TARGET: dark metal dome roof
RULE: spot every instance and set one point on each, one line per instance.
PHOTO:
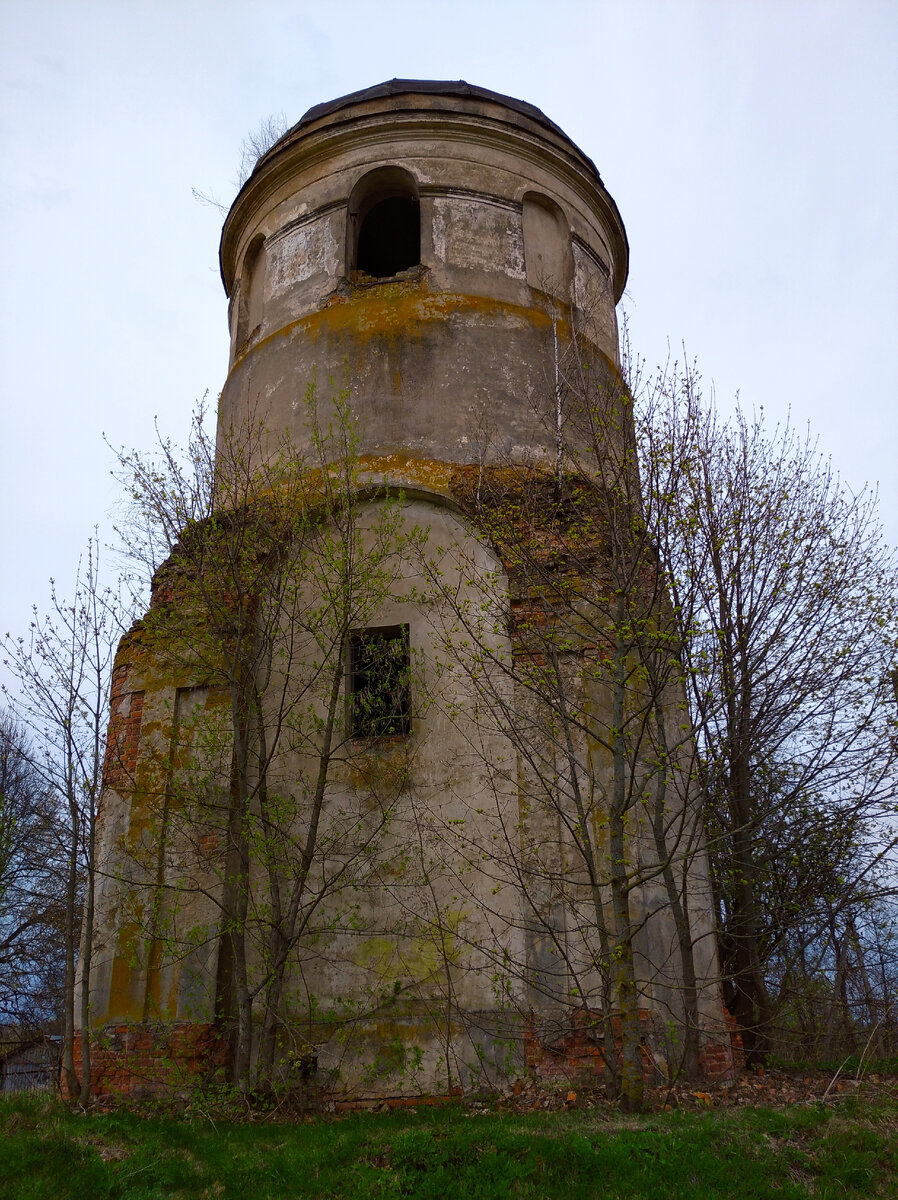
(431, 87)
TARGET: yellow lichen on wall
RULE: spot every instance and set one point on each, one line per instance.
(126, 996)
(431, 473)
(417, 959)
(402, 311)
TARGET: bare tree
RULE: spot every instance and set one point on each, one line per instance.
(589, 692)
(258, 142)
(784, 591)
(276, 559)
(32, 889)
(63, 675)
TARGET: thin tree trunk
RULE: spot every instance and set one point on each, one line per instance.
(285, 931)
(72, 1083)
(632, 1082)
(87, 945)
(752, 1006)
(609, 1048)
(679, 905)
(237, 900)
(869, 1000)
(832, 1016)
(271, 1017)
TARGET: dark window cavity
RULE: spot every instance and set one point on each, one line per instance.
(380, 701)
(390, 237)
(384, 226)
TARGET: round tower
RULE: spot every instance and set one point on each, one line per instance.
(406, 824)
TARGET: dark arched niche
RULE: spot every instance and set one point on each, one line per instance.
(384, 225)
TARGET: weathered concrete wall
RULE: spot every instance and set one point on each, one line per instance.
(432, 959)
(438, 953)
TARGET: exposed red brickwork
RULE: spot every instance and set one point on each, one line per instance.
(735, 1041)
(127, 1060)
(134, 1059)
(578, 1051)
(715, 1061)
(126, 709)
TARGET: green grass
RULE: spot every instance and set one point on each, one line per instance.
(849, 1151)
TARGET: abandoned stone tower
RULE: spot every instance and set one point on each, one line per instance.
(417, 838)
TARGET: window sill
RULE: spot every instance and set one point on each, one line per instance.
(415, 274)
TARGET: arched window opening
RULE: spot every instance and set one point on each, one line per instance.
(384, 224)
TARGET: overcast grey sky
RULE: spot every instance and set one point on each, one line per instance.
(751, 146)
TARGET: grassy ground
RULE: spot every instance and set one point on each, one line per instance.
(849, 1149)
